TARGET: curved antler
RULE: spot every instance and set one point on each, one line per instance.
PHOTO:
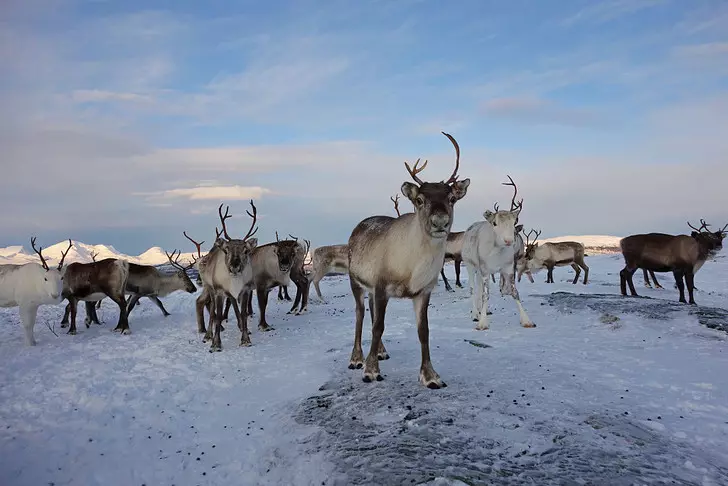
(253, 215)
(39, 252)
(198, 245)
(395, 200)
(495, 206)
(528, 235)
(454, 176)
(514, 206)
(416, 170)
(703, 226)
(222, 220)
(63, 254)
(295, 238)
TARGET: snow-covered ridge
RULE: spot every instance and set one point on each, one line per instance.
(593, 244)
(82, 252)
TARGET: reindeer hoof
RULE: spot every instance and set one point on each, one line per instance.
(434, 386)
(266, 328)
(356, 365)
(382, 356)
(72, 333)
(246, 344)
(528, 324)
(369, 378)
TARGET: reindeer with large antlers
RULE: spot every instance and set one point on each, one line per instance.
(682, 255)
(491, 246)
(226, 272)
(31, 285)
(401, 258)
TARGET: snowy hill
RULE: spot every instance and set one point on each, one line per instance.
(593, 244)
(82, 252)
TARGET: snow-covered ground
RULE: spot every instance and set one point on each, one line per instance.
(606, 390)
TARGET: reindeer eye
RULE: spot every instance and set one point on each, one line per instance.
(419, 201)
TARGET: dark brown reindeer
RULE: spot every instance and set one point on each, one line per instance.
(226, 270)
(300, 277)
(401, 258)
(91, 316)
(90, 282)
(682, 255)
(453, 251)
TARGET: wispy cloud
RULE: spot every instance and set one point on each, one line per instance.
(97, 95)
(540, 111)
(208, 193)
(608, 10)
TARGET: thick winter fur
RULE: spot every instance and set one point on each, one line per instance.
(453, 251)
(490, 246)
(28, 287)
(327, 259)
(550, 255)
(93, 281)
(402, 257)
(225, 271)
(659, 252)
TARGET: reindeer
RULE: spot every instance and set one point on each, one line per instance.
(327, 259)
(300, 277)
(453, 251)
(91, 307)
(401, 258)
(226, 270)
(90, 282)
(31, 285)
(489, 247)
(551, 255)
(148, 281)
(683, 255)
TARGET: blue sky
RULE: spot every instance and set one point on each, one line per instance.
(126, 122)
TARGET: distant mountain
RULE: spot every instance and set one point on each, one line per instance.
(82, 252)
(593, 244)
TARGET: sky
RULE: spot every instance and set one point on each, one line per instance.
(125, 123)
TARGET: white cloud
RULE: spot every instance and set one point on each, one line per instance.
(608, 10)
(539, 111)
(96, 95)
(206, 193)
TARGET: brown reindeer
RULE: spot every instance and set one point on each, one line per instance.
(328, 259)
(453, 251)
(148, 281)
(225, 272)
(682, 255)
(300, 277)
(401, 258)
(90, 282)
(551, 255)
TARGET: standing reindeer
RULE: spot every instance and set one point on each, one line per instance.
(551, 255)
(148, 281)
(683, 255)
(401, 258)
(453, 251)
(327, 259)
(490, 247)
(226, 270)
(31, 285)
(300, 278)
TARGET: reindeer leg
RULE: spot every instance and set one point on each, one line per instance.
(381, 350)
(484, 285)
(262, 304)
(356, 361)
(73, 302)
(285, 293)
(316, 279)
(226, 313)
(371, 365)
(690, 282)
(680, 285)
(156, 300)
(27, 318)
(280, 292)
(216, 320)
(525, 320)
(578, 272)
(200, 304)
(98, 304)
(66, 312)
(625, 278)
(530, 277)
(90, 314)
(132, 303)
(444, 279)
(457, 274)
(428, 375)
(250, 302)
(654, 278)
(123, 325)
(583, 265)
(242, 316)
(475, 289)
(647, 278)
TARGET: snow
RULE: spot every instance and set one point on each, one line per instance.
(606, 390)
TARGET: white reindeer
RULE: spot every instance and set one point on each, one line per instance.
(29, 286)
(490, 247)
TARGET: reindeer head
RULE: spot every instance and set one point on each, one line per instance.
(237, 251)
(52, 283)
(181, 272)
(711, 240)
(504, 222)
(434, 201)
(286, 251)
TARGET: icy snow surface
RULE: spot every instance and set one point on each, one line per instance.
(606, 390)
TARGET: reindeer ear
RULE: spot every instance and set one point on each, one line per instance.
(410, 191)
(519, 228)
(460, 188)
(252, 242)
(694, 234)
(488, 215)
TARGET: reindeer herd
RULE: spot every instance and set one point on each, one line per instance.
(385, 257)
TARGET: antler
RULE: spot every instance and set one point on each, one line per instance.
(514, 205)
(94, 254)
(42, 260)
(295, 238)
(63, 254)
(454, 176)
(416, 170)
(198, 245)
(253, 215)
(174, 260)
(395, 200)
(223, 218)
(528, 235)
(277, 239)
(495, 206)
(703, 226)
